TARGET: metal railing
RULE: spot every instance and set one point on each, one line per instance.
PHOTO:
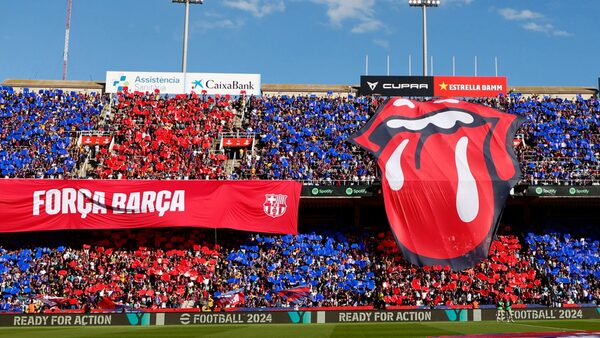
(238, 134)
(560, 182)
(340, 182)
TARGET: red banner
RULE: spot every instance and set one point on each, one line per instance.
(469, 86)
(94, 140)
(261, 206)
(237, 142)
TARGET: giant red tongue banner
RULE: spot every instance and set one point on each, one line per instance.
(447, 167)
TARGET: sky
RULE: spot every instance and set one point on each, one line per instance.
(536, 42)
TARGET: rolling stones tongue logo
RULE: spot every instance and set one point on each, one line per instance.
(447, 168)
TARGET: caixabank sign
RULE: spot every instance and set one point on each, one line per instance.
(433, 86)
(183, 83)
(223, 84)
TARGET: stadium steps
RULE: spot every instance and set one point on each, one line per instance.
(237, 122)
(74, 152)
(83, 169)
(231, 165)
(103, 121)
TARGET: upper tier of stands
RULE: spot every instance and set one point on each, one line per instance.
(38, 131)
(300, 138)
(165, 138)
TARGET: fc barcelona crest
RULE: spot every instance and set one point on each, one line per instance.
(274, 205)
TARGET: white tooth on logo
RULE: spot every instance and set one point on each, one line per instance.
(404, 102)
(446, 101)
(444, 120)
(467, 198)
(372, 85)
(393, 169)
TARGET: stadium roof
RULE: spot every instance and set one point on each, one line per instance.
(296, 89)
(55, 84)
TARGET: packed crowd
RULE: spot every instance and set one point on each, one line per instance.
(180, 269)
(335, 268)
(38, 130)
(571, 264)
(504, 274)
(299, 137)
(562, 139)
(170, 272)
(159, 137)
(304, 138)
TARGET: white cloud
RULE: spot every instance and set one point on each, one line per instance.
(206, 25)
(547, 28)
(359, 11)
(458, 2)
(513, 14)
(367, 26)
(535, 22)
(561, 33)
(532, 26)
(257, 8)
(340, 10)
(212, 14)
(385, 44)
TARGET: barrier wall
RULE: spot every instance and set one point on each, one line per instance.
(289, 317)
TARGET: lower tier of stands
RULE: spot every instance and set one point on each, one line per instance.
(185, 268)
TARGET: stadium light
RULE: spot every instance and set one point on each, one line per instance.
(67, 30)
(185, 28)
(424, 4)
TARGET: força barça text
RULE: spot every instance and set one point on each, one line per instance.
(84, 202)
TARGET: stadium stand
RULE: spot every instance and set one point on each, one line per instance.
(167, 138)
(572, 266)
(301, 138)
(506, 273)
(304, 138)
(561, 139)
(316, 269)
(297, 137)
(38, 130)
(337, 270)
(118, 271)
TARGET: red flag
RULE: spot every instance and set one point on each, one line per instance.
(296, 294)
(230, 299)
(105, 303)
(447, 168)
(416, 284)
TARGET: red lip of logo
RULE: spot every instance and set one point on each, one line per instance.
(447, 168)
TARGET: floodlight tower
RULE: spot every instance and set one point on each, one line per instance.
(424, 4)
(185, 28)
(66, 50)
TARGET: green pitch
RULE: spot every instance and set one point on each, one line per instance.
(312, 330)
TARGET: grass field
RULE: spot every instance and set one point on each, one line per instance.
(313, 330)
